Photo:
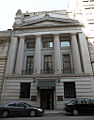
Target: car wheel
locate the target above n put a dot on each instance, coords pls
(5, 114)
(32, 113)
(75, 112)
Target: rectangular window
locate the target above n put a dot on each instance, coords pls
(25, 90)
(30, 62)
(30, 44)
(64, 43)
(69, 90)
(47, 44)
(66, 63)
(48, 64)
(29, 65)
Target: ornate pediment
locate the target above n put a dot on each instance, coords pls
(47, 21)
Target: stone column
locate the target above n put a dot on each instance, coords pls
(76, 55)
(57, 58)
(12, 55)
(85, 53)
(37, 57)
(20, 55)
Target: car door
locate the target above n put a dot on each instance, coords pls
(20, 109)
(81, 106)
(90, 105)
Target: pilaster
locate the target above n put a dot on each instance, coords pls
(20, 55)
(85, 53)
(76, 55)
(37, 57)
(57, 58)
(12, 55)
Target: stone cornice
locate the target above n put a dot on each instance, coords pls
(49, 76)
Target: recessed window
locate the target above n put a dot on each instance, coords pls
(66, 63)
(30, 44)
(69, 90)
(25, 90)
(47, 44)
(48, 64)
(64, 43)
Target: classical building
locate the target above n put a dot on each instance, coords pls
(48, 60)
(4, 44)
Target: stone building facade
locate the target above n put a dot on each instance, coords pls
(4, 45)
(48, 60)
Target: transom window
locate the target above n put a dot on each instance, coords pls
(64, 43)
(69, 90)
(47, 44)
(30, 44)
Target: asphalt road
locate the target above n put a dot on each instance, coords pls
(53, 117)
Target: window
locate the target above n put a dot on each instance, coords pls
(30, 44)
(64, 43)
(66, 63)
(48, 64)
(47, 44)
(25, 90)
(80, 101)
(30, 63)
(89, 101)
(69, 90)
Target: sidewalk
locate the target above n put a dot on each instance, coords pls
(55, 112)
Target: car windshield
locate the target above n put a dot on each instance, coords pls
(72, 101)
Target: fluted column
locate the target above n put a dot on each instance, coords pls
(37, 57)
(57, 54)
(85, 53)
(12, 55)
(20, 55)
(76, 55)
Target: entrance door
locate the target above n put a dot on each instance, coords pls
(47, 98)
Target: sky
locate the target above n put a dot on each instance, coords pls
(8, 9)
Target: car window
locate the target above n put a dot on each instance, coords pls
(20, 105)
(12, 104)
(89, 101)
(80, 101)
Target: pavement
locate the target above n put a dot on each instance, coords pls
(55, 112)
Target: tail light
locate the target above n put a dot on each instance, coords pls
(66, 106)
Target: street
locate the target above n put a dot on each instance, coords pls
(53, 117)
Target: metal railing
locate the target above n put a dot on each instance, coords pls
(47, 71)
(67, 71)
(27, 72)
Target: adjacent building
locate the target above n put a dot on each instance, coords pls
(48, 59)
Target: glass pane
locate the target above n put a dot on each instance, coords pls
(64, 43)
(31, 44)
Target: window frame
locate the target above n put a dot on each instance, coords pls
(69, 90)
(25, 90)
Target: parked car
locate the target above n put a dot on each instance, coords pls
(80, 105)
(20, 109)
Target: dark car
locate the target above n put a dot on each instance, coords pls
(80, 105)
(20, 109)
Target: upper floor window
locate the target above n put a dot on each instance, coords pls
(30, 44)
(48, 64)
(47, 44)
(30, 62)
(66, 63)
(64, 43)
